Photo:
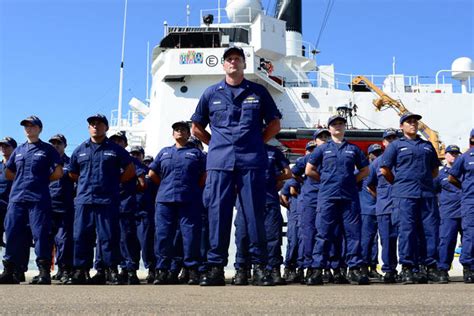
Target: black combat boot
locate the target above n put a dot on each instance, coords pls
(150, 278)
(262, 276)
(358, 276)
(184, 276)
(468, 275)
(58, 274)
(8, 276)
(44, 276)
(373, 274)
(315, 278)
(433, 275)
(299, 276)
(133, 278)
(78, 277)
(20, 275)
(193, 276)
(327, 276)
(421, 276)
(241, 277)
(173, 277)
(113, 277)
(100, 278)
(290, 275)
(443, 277)
(339, 277)
(123, 276)
(276, 275)
(390, 277)
(406, 276)
(161, 277)
(213, 277)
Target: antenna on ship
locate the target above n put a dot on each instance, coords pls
(188, 13)
(119, 108)
(147, 72)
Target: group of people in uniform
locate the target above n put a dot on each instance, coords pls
(174, 212)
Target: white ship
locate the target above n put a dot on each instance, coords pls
(188, 59)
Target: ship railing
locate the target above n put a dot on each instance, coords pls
(132, 119)
(396, 82)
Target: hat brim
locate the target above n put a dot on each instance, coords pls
(90, 119)
(339, 118)
(416, 116)
(24, 122)
(234, 50)
(56, 138)
(178, 124)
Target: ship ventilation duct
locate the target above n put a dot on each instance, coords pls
(290, 11)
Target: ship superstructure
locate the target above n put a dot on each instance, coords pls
(189, 59)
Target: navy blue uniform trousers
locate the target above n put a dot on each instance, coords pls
(388, 231)
(222, 188)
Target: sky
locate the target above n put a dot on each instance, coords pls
(60, 59)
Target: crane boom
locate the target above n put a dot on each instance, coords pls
(385, 100)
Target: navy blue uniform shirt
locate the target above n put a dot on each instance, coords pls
(5, 186)
(463, 170)
(99, 168)
(236, 125)
(449, 196)
(286, 191)
(413, 162)
(310, 187)
(384, 204)
(179, 170)
(276, 163)
(33, 163)
(146, 199)
(367, 200)
(336, 164)
(62, 190)
(129, 188)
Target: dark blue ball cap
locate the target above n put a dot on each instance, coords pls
(9, 141)
(33, 120)
(453, 149)
(180, 124)
(408, 115)
(59, 137)
(390, 132)
(234, 49)
(98, 117)
(311, 144)
(137, 149)
(320, 131)
(472, 132)
(334, 118)
(121, 135)
(374, 148)
(148, 158)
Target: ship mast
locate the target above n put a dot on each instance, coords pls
(119, 107)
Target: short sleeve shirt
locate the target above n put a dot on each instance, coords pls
(236, 124)
(336, 164)
(62, 190)
(99, 167)
(463, 170)
(412, 162)
(449, 196)
(33, 164)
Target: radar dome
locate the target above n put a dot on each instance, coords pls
(243, 11)
(462, 68)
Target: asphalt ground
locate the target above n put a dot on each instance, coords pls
(375, 299)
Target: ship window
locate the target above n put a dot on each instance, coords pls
(183, 89)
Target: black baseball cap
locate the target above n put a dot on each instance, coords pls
(9, 141)
(334, 118)
(98, 117)
(121, 135)
(180, 124)
(148, 158)
(234, 49)
(59, 137)
(137, 149)
(33, 120)
(408, 115)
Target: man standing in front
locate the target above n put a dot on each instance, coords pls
(97, 166)
(414, 163)
(236, 110)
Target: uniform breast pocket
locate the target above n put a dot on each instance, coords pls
(83, 162)
(191, 163)
(165, 163)
(39, 163)
(219, 115)
(329, 162)
(250, 113)
(405, 157)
